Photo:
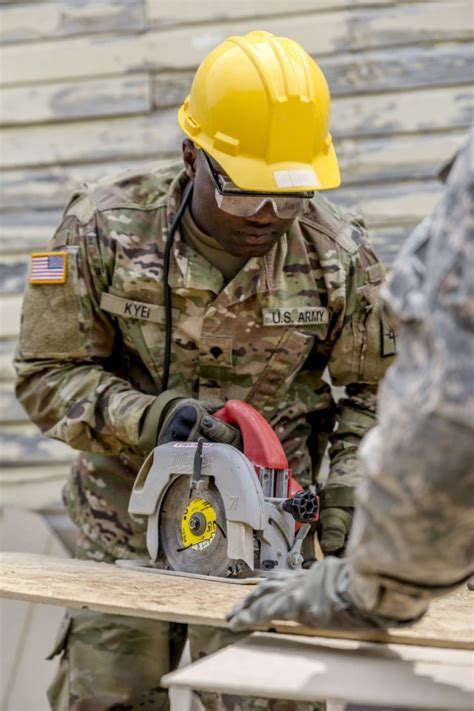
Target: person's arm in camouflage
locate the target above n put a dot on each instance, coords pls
(363, 352)
(412, 538)
(65, 344)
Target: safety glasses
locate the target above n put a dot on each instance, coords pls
(244, 204)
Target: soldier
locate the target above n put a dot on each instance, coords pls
(173, 290)
(412, 537)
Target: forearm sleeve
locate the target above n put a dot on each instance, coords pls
(66, 346)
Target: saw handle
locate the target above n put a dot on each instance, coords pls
(261, 445)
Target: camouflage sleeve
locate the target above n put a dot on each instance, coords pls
(362, 353)
(65, 343)
(412, 537)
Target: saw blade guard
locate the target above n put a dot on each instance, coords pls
(231, 473)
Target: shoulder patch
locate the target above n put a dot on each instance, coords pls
(48, 268)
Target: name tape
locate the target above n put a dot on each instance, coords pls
(296, 316)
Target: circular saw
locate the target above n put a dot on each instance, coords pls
(213, 510)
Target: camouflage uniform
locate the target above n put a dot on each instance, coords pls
(92, 378)
(412, 537)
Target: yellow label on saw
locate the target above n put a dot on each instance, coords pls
(198, 524)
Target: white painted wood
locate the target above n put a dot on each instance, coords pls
(305, 669)
(361, 160)
(395, 69)
(420, 110)
(7, 349)
(24, 443)
(10, 310)
(11, 412)
(91, 140)
(34, 486)
(71, 100)
(182, 49)
(43, 20)
(167, 13)
(117, 138)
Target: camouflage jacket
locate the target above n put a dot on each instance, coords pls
(412, 538)
(91, 379)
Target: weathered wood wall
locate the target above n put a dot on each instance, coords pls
(90, 86)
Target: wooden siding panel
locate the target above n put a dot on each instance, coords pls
(44, 20)
(116, 138)
(26, 444)
(7, 350)
(72, 100)
(391, 204)
(422, 110)
(399, 68)
(181, 49)
(135, 137)
(166, 12)
(395, 69)
(361, 160)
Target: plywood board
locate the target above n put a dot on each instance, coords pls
(320, 34)
(106, 588)
(306, 669)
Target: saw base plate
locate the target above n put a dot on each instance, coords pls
(139, 564)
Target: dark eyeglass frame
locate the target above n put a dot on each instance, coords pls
(235, 193)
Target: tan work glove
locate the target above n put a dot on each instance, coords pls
(335, 524)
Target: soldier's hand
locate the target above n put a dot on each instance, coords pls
(335, 524)
(318, 597)
(187, 419)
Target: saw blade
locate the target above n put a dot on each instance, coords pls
(192, 527)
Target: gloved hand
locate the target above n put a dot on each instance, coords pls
(318, 597)
(335, 524)
(187, 419)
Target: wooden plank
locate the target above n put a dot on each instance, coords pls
(52, 186)
(395, 69)
(64, 18)
(103, 587)
(164, 12)
(7, 350)
(389, 209)
(183, 49)
(25, 444)
(391, 204)
(10, 311)
(10, 409)
(32, 486)
(399, 68)
(421, 110)
(410, 157)
(14, 274)
(126, 95)
(131, 137)
(361, 160)
(302, 670)
(115, 138)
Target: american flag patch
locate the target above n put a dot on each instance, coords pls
(48, 268)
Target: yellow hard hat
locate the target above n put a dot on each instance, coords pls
(259, 105)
